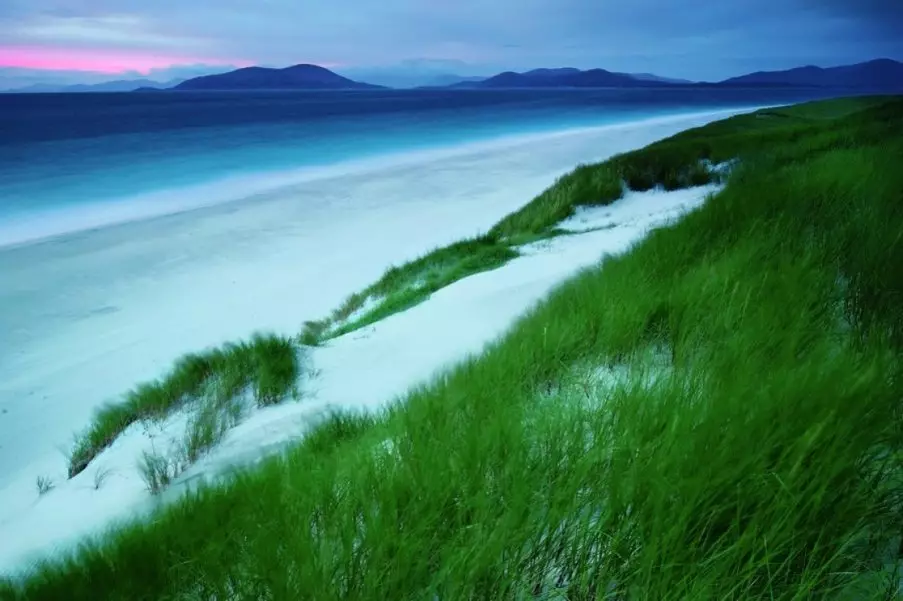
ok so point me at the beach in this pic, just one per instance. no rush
(88, 314)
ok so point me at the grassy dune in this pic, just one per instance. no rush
(403, 287)
(712, 415)
(681, 161)
(211, 380)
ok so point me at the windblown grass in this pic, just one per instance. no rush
(157, 470)
(679, 161)
(762, 463)
(44, 485)
(403, 287)
(267, 364)
(682, 161)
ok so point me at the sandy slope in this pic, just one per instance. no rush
(86, 316)
(360, 371)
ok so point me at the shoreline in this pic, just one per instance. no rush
(364, 371)
(710, 411)
(88, 217)
(139, 353)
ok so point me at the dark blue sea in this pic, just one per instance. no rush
(60, 152)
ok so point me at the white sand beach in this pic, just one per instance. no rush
(87, 315)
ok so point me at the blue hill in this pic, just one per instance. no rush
(297, 77)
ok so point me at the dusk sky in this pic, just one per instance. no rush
(697, 39)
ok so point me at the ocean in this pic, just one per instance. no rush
(75, 161)
(330, 189)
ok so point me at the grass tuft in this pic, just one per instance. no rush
(44, 485)
(100, 476)
(157, 471)
(313, 332)
(267, 363)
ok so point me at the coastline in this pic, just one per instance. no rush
(158, 307)
(585, 449)
(46, 225)
(364, 371)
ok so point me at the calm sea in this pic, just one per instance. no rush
(60, 152)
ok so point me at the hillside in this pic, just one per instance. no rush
(878, 74)
(712, 415)
(119, 85)
(413, 73)
(658, 78)
(297, 77)
(561, 78)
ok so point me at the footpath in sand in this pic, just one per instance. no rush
(167, 286)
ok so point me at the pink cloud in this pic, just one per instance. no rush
(100, 61)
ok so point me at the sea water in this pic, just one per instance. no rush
(76, 161)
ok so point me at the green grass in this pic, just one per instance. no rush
(157, 471)
(682, 161)
(762, 461)
(678, 161)
(405, 286)
(267, 364)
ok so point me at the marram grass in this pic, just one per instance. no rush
(761, 462)
(267, 364)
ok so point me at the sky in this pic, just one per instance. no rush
(93, 40)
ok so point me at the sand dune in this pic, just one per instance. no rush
(87, 315)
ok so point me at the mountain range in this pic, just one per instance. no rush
(306, 77)
(414, 73)
(118, 85)
(878, 73)
(875, 75)
(567, 77)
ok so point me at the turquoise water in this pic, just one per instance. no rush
(63, 151)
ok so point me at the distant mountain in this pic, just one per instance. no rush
(567, 77)
(877, 74)
(657, 78)
(37, 88)
(451, 79)
(123, 85)
(552, 73)
(402, 80)
(298, 77)
(880, 74)
(414, 73)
